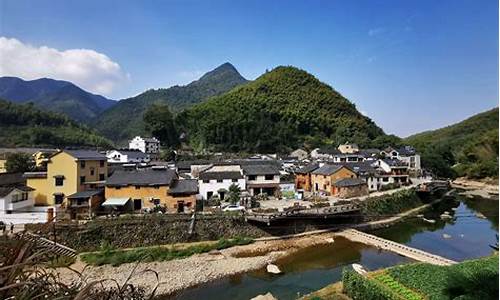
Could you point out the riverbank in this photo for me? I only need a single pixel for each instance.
(486, 188)
(177, 275)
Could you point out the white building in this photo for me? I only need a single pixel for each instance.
(13, 199)
(127, 156)
(216, 180)
(263, 178)
(145, 145)
(406, 154)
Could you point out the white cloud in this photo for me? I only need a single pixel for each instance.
(376, 31)
(91, 70)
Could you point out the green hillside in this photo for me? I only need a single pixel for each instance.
(125, 120)
(23, 125)
(281, 110)
(469, 147)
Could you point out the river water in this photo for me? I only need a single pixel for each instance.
(468, 235)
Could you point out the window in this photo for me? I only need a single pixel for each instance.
(385, 179)
(219, 180)
(156, 202)
(101, 163)
(137, 187)
(118, 187)
(82, 179)
(269, 177)
(206, 181)
(82, 164)
(252, 177)
(59, 181)
(92, 171)
(156, 187)
(101, 177)
(58, 199)
(234, 180)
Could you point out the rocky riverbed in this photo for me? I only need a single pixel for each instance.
(176, 275)
(487, 188)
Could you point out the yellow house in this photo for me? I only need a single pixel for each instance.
(323, 179)
(146, 188)
(68, 172)
(42, 157)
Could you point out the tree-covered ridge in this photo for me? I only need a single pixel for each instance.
(23, 125)
(281, 110)
(470, 146)
(125, 120)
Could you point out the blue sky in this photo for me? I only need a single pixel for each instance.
(409, 65)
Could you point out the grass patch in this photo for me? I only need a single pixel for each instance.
(118, 257)
(473, 279)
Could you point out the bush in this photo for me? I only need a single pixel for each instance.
(388, 205)
(359, 287)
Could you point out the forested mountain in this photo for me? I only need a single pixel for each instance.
(23, 125)
(282, 109)
(54, 95)
(468, 148)
(125, 120)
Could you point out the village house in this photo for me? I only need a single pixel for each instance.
(262, 179)
(145, 189)
(406, 154)
(84, 204)
(348, 148)
(127, 156)
(216, 180)
(149, 145)
(350, 187)
(393, 171)
(303, 177)
(68, 172)
(300, 154)
(323, 178)
(184, 193)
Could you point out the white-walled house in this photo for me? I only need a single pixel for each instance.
(127, 156)
(149, 145)
(405, 154)
(393, 171)
(13, 199)
(263, 178)
(216, 180)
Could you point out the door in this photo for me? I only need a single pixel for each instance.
(137, 204)
(180, 206)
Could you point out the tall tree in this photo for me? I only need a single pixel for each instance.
(19, 163)
(160, 122)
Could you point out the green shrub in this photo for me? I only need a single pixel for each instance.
(377, 207)
(359, 287)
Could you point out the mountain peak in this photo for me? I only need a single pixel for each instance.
(226, 70)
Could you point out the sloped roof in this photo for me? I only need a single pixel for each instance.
(184, 186)
(406, 151)
(5, 190)
(394, 162)
(12, 179)
(86, 154)
(307, 169)
(329, 169)
(262, 169)
(85, 194)
(142, 177)
(329, 150)
(345, 182)
(220, 175)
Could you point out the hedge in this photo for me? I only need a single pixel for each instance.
(360, 288)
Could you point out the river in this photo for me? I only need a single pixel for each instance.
(468, 235)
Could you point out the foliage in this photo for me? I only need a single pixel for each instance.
(19, 163)
(468, 148)
(118, 257)
(125, 119)
(279, 111)
(23, 125)
(159, 121)
(360, 288)
(390, 186)
(396, 286)
(389, 205)
(234, 193)
(472, 279)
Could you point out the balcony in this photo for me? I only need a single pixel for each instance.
(20, 204)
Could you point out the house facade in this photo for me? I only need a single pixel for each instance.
(127, 156)
(348, 148)
(15, 198)
(406, 154)
(262, 179)
(323, 179)
(143, 189)
(350, 187)
(149, 145)
(68, 172)
(303, 177)
(216, 180)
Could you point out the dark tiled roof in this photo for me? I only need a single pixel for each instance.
(267, 169)
(394, 162)
(133, 154)
(369, 152)
(9, 179)
(185, 186)
(35, 175)
(86, 154)
(345, 182)
(141, 177)
(406, 151)
(85, 194)
(5, 190)
(329, 150)
(363, 167)
(220, 175)
(186, 164)
(307, 169)
(329, 169)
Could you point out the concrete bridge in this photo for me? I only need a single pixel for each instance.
(320, 212)
(416, 254)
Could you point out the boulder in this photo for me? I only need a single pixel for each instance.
(273, 269)
(267, 296)
(329, 240)
(446, 236)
